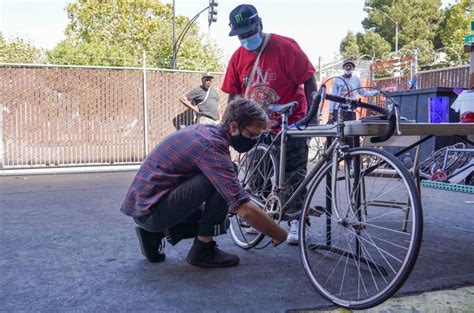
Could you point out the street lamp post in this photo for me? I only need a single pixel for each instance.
(396, 25)
(177, 41)
(396, 37)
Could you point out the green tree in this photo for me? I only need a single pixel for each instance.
(18, 50)
(349, 46)
(372, 44)
(117, 32)
(453, 26)
(378, 22)
(91, 53)
(417, 20)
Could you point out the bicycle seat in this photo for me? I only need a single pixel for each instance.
(282, 108)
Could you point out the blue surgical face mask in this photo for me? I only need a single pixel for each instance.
(253, 42)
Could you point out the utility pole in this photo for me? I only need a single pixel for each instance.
(396, 37)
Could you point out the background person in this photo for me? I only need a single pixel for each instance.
(339, 88)
(187, 185)
(204, 101)
(270, 68)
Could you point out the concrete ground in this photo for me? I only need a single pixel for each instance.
(65, 247)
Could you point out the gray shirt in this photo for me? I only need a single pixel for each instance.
(207, 108)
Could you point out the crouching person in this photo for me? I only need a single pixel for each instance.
(187, 186)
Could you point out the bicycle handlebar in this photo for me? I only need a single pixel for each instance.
(393, 115)
(358, 104)
(313, 108)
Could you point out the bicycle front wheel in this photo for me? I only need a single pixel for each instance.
(257, 171)
(362, 242)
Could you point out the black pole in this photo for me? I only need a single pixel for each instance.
(177, 43)
(183, 33)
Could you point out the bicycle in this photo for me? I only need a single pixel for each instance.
(445, 160)
(357, 240)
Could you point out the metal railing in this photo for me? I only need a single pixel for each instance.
(447, 77)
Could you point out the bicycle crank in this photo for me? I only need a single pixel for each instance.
(273, 207)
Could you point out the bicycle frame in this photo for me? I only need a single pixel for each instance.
(282, 135)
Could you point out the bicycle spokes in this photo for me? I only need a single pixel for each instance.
(359, 251)
(257, 172)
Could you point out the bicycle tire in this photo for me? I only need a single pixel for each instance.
(259, 184)
(350, 246)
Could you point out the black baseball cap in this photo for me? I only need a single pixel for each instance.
(243, 19)
(348, 61)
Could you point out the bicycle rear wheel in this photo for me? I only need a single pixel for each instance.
(363, 243)
(257, 171)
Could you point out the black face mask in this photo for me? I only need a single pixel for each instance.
(243, 144)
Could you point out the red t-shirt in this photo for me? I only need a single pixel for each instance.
(282, 69)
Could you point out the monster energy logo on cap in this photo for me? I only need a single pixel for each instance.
(243, 18)
(238, 18)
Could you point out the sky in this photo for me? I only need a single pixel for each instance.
(317, 25)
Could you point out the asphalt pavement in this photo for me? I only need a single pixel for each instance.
(65, 247)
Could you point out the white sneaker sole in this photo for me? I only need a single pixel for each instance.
(292, 241)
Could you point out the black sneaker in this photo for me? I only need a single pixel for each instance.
(208, 255)
(151, 244)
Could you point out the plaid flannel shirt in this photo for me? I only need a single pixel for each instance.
(195, 149)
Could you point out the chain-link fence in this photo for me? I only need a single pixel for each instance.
(77, 115)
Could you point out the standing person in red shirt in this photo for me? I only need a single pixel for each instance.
(270, 68)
